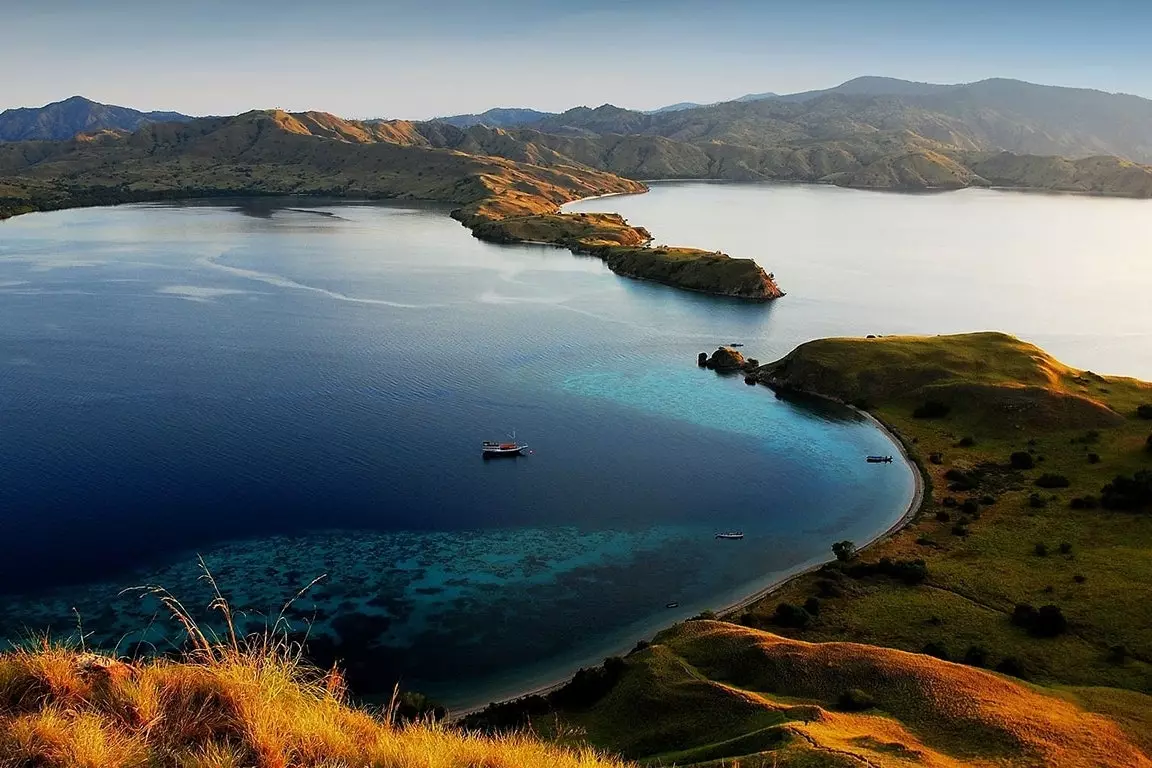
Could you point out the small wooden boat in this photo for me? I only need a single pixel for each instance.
(879, 459)
(494, 448)
(672, 605)
(731, 535)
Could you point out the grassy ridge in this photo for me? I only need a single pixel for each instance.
(705, 692)
(506, 199)
(253, 708)
(986, 683)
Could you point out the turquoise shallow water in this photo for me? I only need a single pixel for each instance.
(299, 390)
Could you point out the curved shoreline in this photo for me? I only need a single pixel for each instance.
(907, 517)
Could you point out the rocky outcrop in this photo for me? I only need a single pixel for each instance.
(726, 359)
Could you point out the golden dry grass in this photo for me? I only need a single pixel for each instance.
(255, 707)
(776, 696)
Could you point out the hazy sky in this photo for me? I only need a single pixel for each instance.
(421, 58)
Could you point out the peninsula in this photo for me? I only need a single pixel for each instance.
(1026, 561)
(314, 153)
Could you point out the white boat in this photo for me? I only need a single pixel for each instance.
(494, 448)
(731, 535)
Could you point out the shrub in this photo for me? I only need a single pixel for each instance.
(959, 530)
(961, 480)
(1144, 411)
(966, 442)
(908, 571)
(1048, 621)
(1040, 550)
(976, 656)
(1021, 460)
(1012, 666)
(1051, 480)
(812, 606)
(970, 507)
(932, 409)
(1128, 492)
(950, 501)
(943, 516)
(1079, 578)
(844, 550)
(1065, 547)
(1023, 614)
(936, 458)
(1093, 458)
(855, 700)
(826, 588)
(1148, 444)
(1084, 502)
(788, 615)
(1036, 501)
(987, 500)
(936, 649)
(1118, 654)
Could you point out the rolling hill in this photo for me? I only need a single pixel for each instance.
(502, 199)
(990, 115)
(1005, 625)
(64, 119)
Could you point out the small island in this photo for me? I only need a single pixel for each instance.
(624, 248)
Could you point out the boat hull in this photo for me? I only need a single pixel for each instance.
(498, 453)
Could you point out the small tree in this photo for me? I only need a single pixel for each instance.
(1144, 411)
(844, 550)
(1022, 460)
(855, 700)
(1052, 480)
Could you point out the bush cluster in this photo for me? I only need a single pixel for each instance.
(908, 571)
(788, 615)
(1047, 621)
(1125, 492)
(1051, 480)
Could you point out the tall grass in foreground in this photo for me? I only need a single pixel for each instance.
(230, 702)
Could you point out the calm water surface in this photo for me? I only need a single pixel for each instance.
(296, 391)
(1070, 273)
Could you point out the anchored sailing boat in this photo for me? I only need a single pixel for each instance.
(492, 448)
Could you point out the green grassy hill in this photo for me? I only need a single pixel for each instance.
(1007, 624)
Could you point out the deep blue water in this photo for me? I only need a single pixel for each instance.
(298, 391)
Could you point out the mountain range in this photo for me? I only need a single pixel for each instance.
(64, 119)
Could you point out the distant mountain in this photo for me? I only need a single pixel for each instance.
(869, 86)
(64, 119)
(758, 96)
(675, 107)
(990, 115)
(683, 105)
(500, 117)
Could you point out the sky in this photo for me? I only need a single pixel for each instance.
(425, 58)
